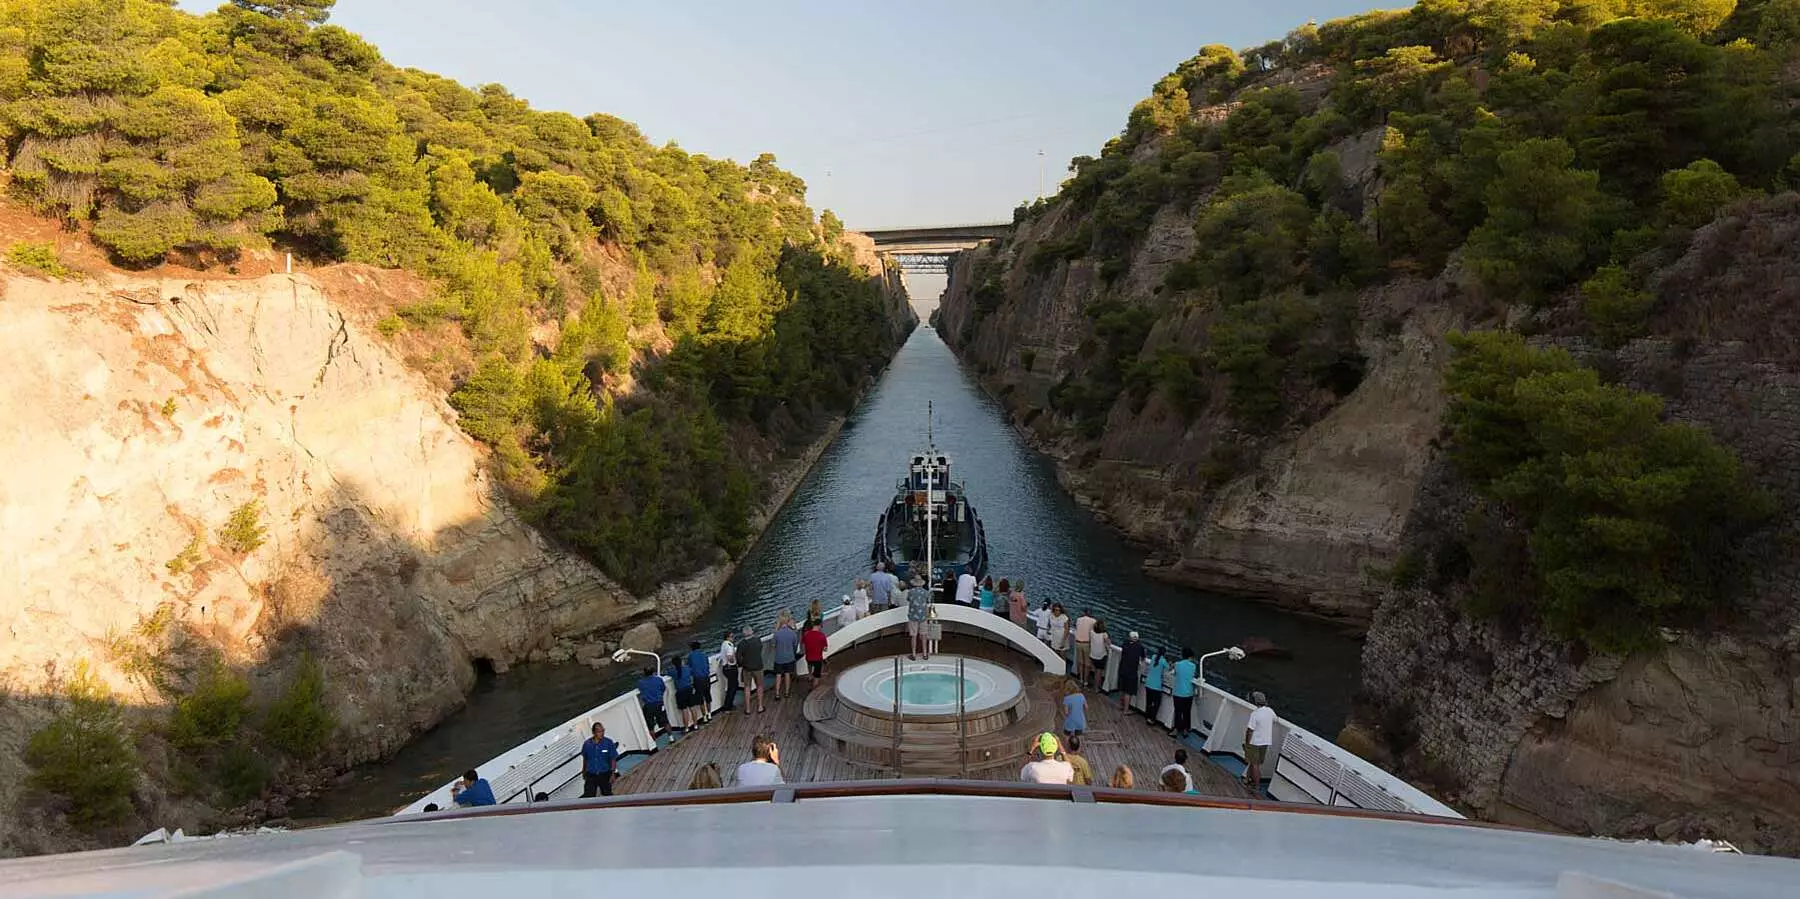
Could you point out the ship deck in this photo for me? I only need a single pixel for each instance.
(1113, 737)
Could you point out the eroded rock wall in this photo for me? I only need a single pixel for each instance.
(1697, 737)
(1304, 518)
(139, 413)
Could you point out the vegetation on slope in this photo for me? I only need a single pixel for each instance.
(168, 133)
(1543, 153)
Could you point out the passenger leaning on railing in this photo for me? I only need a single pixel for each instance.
(653, 695)
(750, 668)
(700, 664)
(472, 790)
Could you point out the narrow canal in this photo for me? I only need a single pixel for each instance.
(820, 542)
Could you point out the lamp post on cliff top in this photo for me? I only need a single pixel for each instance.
(623, 654)
(1231, 652)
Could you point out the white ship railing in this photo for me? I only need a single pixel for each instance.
(1306, 769)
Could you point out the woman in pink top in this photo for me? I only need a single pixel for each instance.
(1016, 609)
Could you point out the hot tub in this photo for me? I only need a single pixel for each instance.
(929, 689)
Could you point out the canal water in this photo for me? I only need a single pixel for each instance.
(820, 542)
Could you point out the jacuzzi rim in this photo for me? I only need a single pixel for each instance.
(940, 664)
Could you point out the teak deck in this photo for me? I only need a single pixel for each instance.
(1113, 737)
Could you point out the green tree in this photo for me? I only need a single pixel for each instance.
(1540, 230)
(1399, 78)
(1697, 17)
(1694, 195)
(84, 756)
(1253, 242)
(1630, 519)
(300, 721)
(311, 12)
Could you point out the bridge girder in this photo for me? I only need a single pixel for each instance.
(934, 262)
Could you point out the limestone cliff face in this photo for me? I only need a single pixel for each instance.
(1698, 737)
(1300, 517)
(138, 413)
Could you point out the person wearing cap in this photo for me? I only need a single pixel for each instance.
(848, 614)
(1259, 732)
(1131, 660)
(1047, 765)
(918, 601)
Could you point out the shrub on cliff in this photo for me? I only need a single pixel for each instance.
(1631, 520)
(300, 722)
(84, 755)
(210, 715)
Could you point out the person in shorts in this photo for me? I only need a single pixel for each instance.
(685, 702)
(751, 667)
(918, 602)
(651, 694)
(1259, 733)
(814, 642)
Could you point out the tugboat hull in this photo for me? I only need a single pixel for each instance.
(964, 548)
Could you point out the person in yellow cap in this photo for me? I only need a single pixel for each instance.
(1047, 765)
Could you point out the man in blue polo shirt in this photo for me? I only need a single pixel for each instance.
(1182, 690)
(472, 790)
(599, 759)
(653, 695)
(700, 664)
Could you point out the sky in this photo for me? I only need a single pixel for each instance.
(917, 113)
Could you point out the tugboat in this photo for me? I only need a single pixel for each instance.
(930, 528)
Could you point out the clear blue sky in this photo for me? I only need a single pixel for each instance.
(895, 113)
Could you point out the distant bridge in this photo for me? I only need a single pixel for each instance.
(934, 248)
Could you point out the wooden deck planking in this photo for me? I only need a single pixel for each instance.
(1114, 738)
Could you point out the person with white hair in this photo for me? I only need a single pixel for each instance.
(1259, 732)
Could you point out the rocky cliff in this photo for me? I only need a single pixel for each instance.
(1698, 737)
(1300, 516)
(1303, 464)
(140, 413)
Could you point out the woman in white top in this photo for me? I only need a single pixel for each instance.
(1059, 629)
(860, 599)
(1099, 646)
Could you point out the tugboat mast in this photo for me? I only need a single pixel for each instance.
(930, 498)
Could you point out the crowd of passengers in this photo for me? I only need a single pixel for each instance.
(746, 661)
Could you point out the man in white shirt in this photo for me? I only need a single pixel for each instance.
(1259, 732)
(728, 667)
(848, 614)
(965, 588)
(764, 767)
(1040, 620)
(1048, 765)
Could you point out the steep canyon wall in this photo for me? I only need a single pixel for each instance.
(140, 412)
(1698, 737)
